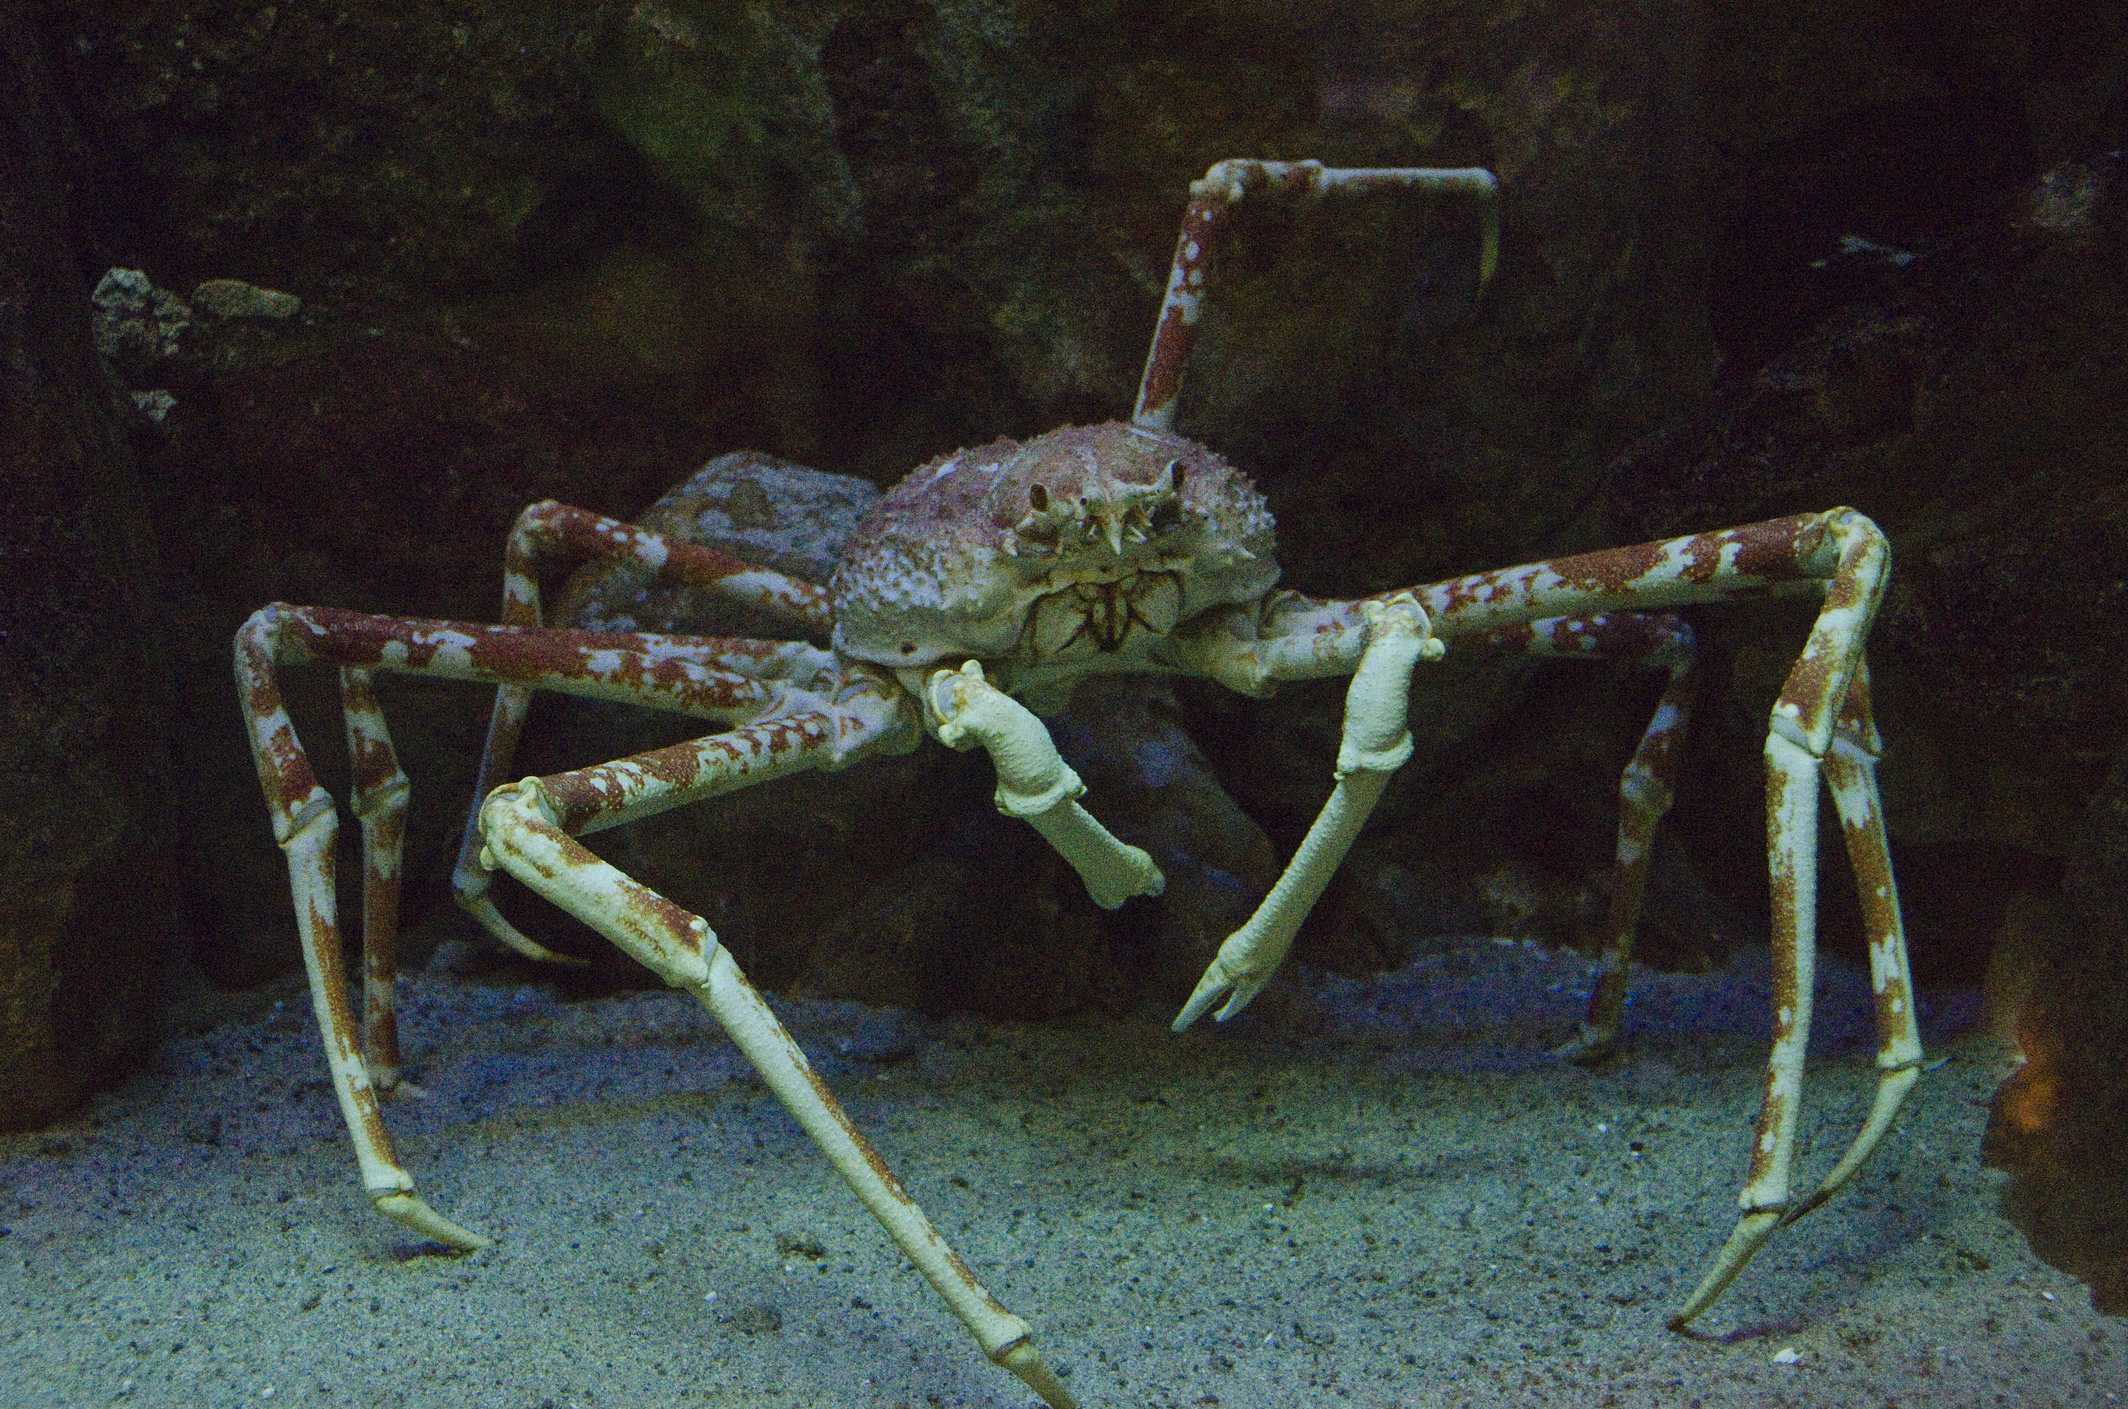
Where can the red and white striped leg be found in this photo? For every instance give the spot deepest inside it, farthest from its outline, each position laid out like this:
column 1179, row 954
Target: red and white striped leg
column 1204, row 228
column 1851, row 775
column 530, row 829
column 647, row 670
column 305, row 826
column 380, row 800
column 1645, row 790
column 1807, row 721
column 1293, row 637
column 550, row 539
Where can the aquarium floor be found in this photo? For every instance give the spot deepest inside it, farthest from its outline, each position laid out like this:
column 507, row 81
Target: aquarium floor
column 1378, row 1194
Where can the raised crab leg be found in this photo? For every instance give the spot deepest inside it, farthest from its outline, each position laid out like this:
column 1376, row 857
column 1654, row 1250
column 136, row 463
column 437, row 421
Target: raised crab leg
column 1204, row 227
column 529, row 829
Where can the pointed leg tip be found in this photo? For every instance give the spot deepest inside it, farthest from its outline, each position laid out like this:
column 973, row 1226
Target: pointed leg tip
column 1026, row 1362
column 1750, row 1234
column 1587, row 1048
column 1210, row 989
column 409, row 1210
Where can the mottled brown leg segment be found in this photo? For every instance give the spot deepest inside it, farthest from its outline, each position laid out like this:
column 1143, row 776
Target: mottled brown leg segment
column 1645, row 791
column 380, row 800
column 550, row 539
column 1851, row 775
column 1816, row 724
column 706, row 678
column 307, row 830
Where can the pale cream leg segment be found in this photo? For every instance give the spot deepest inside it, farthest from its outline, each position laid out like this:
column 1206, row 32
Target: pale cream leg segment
column 309, row 848
column 1376, row 744
column 523, row 838
column 1035, row 784
column 1851, row 774
column 1792, row 820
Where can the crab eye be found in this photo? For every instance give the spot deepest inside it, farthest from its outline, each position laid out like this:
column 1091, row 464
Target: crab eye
column 1038, row 497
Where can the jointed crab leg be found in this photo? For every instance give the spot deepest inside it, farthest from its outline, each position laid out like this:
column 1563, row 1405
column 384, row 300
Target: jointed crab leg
column 1204, row 228
column 527, row 827
column 1035, row 784
column 380, row 795
column 1376, row 743
column 1851, row 776
column 550, row 538
column 685, row 676
column 1822, row 717
column 1645, row 790
column 1849, row 764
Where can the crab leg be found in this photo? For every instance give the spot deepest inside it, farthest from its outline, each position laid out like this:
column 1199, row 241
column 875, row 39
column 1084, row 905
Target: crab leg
column 1376, row 744
column 1645, row 790
column 305, row 826
column 528, row 829
column 550, row 537
column 380, row 796
column 1851, row 776
column 1847, row 753
column 1204, row 227
column 1820, row 720
column 688, row 677
column 1035, row 784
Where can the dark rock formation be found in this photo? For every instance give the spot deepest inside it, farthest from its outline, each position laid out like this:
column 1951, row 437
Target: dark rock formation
column 87, row 919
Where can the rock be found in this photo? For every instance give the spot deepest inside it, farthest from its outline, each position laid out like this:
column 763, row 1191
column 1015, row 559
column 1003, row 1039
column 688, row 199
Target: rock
column 134, row 319
column 1975, row 413
column 233, row 298
column 88, row 920
column 770, row 512
column 2059, row 1124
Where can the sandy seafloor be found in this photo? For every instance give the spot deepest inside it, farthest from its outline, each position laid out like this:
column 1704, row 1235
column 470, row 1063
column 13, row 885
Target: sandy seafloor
column 1380, row 1194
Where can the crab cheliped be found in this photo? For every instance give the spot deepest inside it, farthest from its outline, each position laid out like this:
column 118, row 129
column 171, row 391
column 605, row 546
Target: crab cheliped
column 1008, row 573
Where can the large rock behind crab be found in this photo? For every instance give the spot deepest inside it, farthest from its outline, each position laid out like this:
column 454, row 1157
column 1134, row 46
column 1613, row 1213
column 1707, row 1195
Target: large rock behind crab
column 897, row 881
column 86, row 915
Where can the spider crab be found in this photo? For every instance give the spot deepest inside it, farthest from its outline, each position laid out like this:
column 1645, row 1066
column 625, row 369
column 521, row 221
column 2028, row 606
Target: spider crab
column 1013, row 571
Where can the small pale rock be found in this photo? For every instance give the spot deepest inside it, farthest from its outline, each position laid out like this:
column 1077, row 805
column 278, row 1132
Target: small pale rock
column 233, row 298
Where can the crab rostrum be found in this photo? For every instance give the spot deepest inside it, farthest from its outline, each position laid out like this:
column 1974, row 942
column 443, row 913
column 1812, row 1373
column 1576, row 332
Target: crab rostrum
column 977, row 593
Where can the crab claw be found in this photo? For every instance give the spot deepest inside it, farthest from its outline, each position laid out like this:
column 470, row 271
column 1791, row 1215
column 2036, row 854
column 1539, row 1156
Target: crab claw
column 1231, row 972
column 1376, row 743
